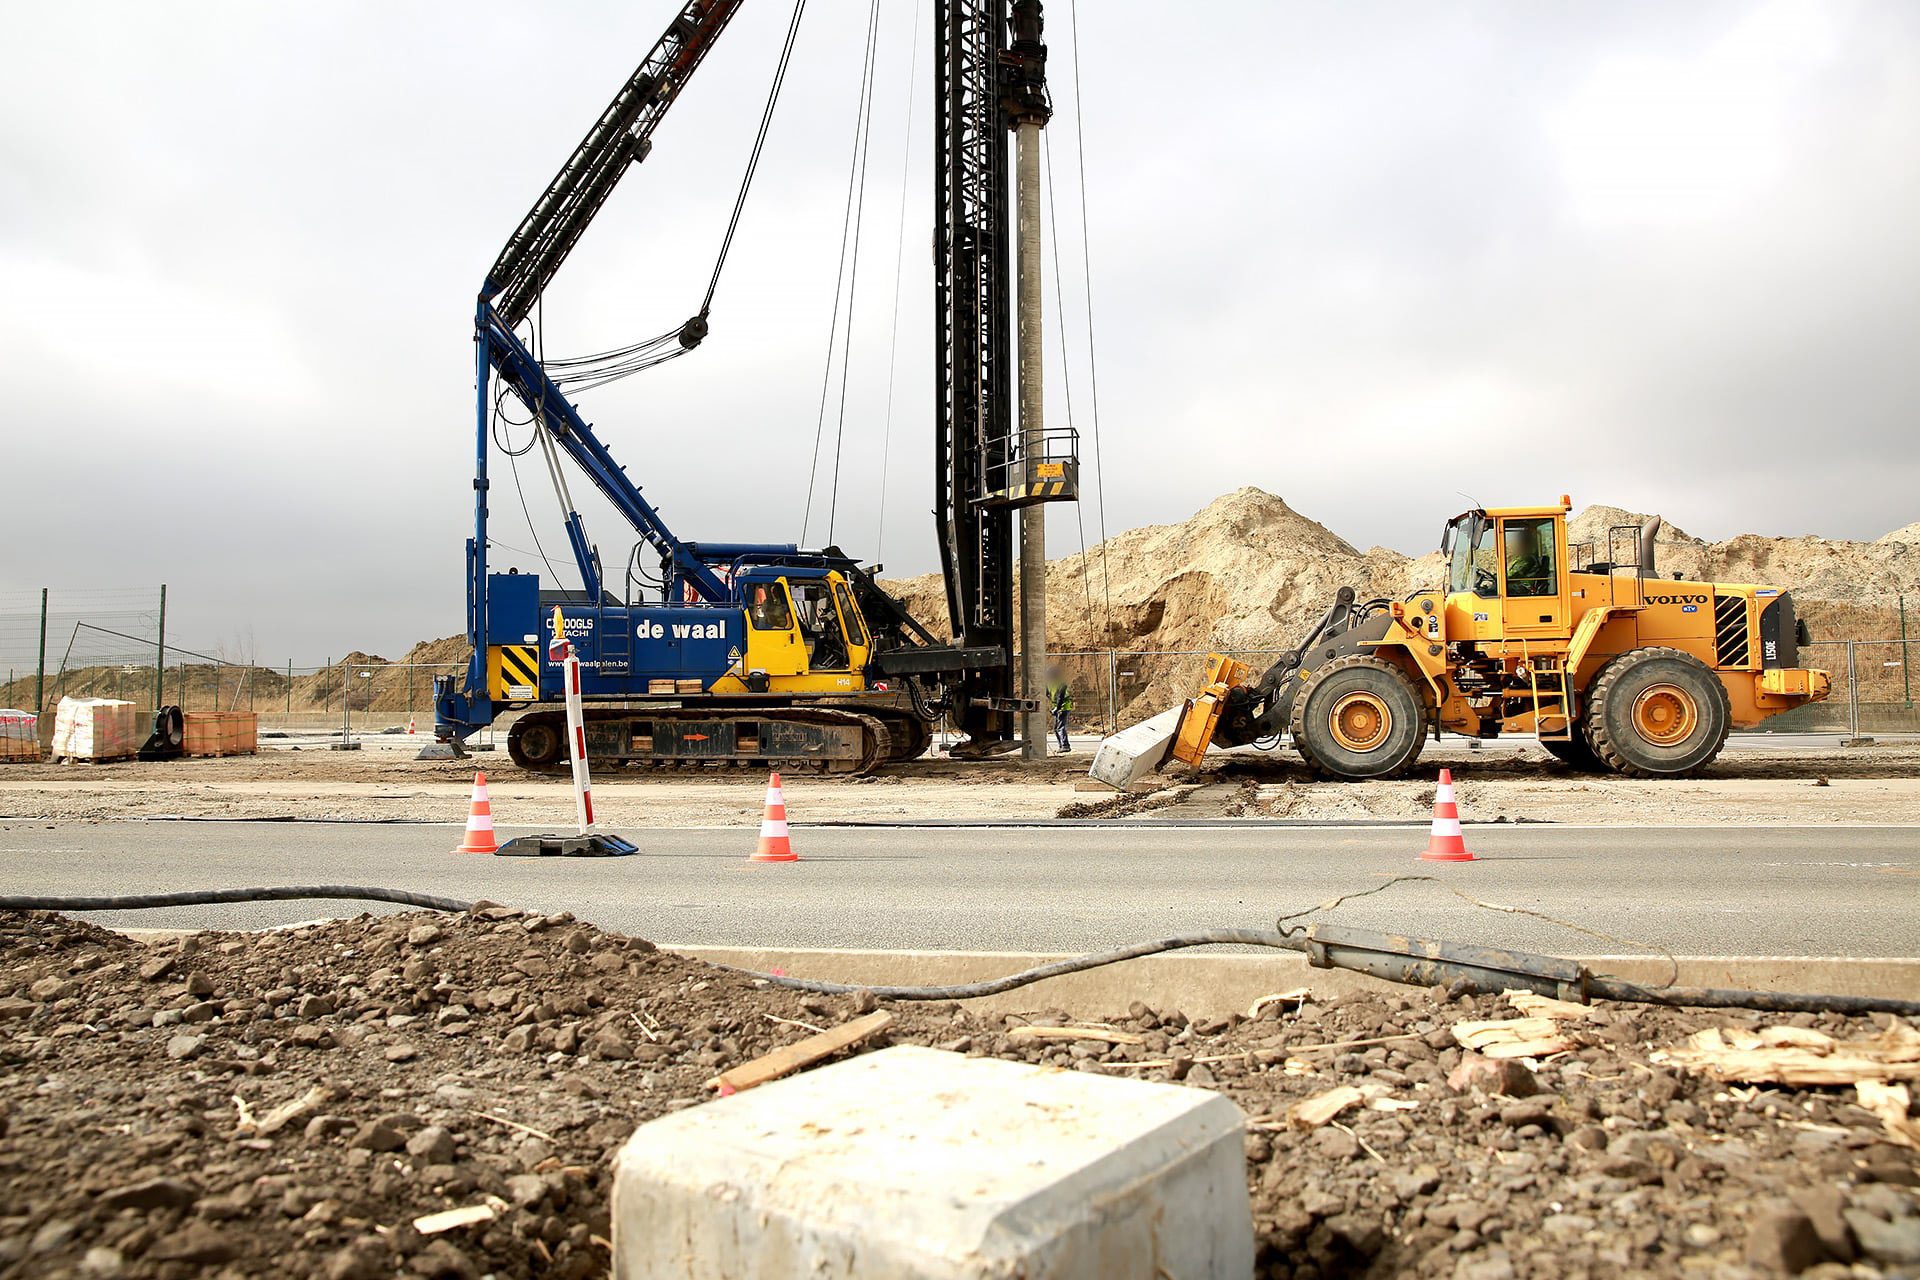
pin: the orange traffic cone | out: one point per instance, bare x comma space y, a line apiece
774, 844
479, 820
409, 724
1446, 844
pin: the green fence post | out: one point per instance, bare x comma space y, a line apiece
160, 662
1906, 667
40, 671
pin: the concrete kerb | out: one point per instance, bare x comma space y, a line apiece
1216, 984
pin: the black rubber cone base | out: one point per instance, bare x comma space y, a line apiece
594, 846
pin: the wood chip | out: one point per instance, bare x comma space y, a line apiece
1798, 1057
1534, 1005
467, 1215
1512, 1037
1108, 1034
1800, 1037
801, 1053
1295, 996
1311, 1113
1890, 1103
293, 1110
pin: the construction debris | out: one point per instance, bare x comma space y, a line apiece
1322, 1107
793, 1057
1892, 1103
1106, 1035
1512, 1037
507, 1056
1799, 1055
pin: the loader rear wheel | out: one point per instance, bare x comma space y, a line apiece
1359, 717
1657, 713
1575, 752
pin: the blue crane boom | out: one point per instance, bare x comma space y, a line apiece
756, 652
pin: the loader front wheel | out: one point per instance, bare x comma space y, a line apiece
1359, 717
1657, 713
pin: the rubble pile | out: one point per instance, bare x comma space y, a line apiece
441, 1096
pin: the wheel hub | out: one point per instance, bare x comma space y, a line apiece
1361, 721
1665, 714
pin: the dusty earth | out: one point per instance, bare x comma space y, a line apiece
291, 1103
1879, 783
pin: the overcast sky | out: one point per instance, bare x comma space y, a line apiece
1368, 256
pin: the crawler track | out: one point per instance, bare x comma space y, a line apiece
754, 738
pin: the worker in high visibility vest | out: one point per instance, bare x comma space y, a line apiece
1059, 704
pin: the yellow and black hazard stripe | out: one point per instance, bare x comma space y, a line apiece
513, 673
1038, 489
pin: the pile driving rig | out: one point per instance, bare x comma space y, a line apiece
756, 654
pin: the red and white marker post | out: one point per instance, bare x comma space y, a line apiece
588, 843
561, 651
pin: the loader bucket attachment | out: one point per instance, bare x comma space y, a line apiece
1195, 734
1182, 733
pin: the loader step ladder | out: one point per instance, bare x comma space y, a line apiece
1552, 701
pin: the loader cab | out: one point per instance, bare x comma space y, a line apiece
1507, 574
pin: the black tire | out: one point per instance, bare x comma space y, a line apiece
1636, 693
537, 741
1359, 717
1575, 752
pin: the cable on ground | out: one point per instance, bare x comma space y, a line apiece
1602, 988
203, 897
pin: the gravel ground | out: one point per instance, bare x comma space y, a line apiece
1872, 784
289, 1103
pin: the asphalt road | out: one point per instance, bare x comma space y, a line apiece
1837, 890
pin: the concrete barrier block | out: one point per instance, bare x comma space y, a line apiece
1136, 751
916, 1162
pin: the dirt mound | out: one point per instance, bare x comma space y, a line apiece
1248, 572
292, 1103
1909, 535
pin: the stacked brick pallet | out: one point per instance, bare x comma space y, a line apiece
19, 736
221, 733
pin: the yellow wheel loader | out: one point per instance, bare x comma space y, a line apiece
1609, 665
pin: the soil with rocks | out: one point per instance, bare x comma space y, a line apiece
290, 1103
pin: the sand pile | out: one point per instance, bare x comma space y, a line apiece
1248, 572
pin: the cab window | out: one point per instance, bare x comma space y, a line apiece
1484, 560
1459, 549
850, 616
820, 624
1526, 550
767, 607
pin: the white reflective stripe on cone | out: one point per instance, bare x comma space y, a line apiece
1446, 826
774, 827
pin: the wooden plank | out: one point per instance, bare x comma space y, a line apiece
1107, 1034
801, 1053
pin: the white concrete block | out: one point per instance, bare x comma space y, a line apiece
913, 1162
1137, 750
